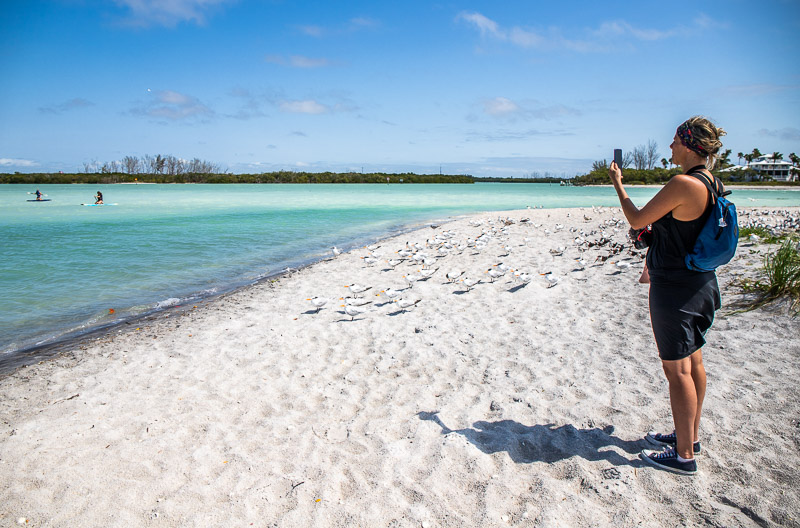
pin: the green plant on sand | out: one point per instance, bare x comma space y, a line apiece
781, 277
762, 233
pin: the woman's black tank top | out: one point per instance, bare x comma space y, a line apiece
672, 239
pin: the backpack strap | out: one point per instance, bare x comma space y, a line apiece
715, 190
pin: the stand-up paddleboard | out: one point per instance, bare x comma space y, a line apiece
96, 205
42, 200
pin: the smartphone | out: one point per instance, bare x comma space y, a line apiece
618, 157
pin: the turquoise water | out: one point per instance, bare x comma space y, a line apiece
65, 265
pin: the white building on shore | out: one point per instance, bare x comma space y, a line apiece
766, 168
778, 170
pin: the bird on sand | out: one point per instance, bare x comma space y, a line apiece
551, 279
453, 275
391, 294
357, 288
405, 304
470, 283
411, 278
428, 273
318, 302
355, 301
336, 251
353, 311
495, 273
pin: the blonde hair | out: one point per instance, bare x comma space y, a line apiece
706, 134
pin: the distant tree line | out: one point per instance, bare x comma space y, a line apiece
266, 177
158, 164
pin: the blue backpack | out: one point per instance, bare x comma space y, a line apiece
716, 243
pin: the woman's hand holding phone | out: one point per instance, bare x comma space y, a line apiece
615, 169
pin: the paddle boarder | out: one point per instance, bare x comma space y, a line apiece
98, 199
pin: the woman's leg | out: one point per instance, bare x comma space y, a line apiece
683, 398
699, 377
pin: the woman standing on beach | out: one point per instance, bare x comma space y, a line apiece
682, 301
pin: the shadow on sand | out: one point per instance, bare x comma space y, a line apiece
543, 443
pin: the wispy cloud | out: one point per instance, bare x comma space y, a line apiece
501, 107
298, 61
351, 26
553, 38
308, 106
173, 106
312, 31
506, 109
14, 162
786, 134
168, 13
66, 106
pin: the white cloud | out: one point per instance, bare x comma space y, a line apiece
504, 108
553, 38
312, 31
168, 12
485, 25
298, 61
363, 22
13, 162
500, 106
351, 26
304, 107
174, 106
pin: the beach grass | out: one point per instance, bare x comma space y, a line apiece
763, 234
781, 276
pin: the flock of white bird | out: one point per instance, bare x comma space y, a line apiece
419, 261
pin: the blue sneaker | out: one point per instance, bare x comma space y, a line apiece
668, 459
669, 440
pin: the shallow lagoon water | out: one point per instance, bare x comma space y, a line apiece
65, 265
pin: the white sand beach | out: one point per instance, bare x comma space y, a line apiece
510, 404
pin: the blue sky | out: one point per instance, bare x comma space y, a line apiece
484, 88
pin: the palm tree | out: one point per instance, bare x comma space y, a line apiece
776, 156
756, 154
740, 155
793, 157
724, 159
664, 162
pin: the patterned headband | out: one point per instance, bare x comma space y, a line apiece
688, 140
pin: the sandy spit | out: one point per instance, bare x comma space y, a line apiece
522, 401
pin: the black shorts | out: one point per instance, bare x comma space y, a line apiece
682, 306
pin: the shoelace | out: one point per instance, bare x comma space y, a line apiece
668, 437
666, 454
